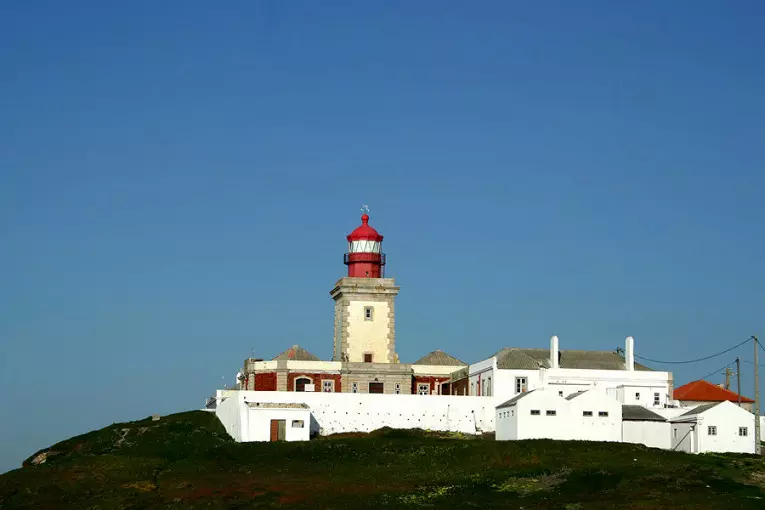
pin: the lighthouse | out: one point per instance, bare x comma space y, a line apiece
365, 326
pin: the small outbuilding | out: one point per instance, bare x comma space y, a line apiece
643, 426
717, 427
271, 421
537, 414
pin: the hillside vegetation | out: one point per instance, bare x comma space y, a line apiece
187, 460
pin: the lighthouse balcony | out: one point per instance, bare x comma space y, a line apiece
350, 258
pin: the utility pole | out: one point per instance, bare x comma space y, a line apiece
728, 373
757, 448
738, 380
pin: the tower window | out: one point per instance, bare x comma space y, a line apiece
368, 357
369, 313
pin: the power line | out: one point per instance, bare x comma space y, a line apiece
696, 360
716, 371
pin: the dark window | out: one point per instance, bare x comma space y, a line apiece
367, 358
376, 387
586, 413
551, 413
300, 383
711, 430
743, 431
535, 412
602, 414
297, 424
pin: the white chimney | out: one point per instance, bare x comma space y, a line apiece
554, 353
629, 354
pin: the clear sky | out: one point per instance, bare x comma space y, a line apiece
177, 178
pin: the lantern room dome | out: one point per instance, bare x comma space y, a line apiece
364, 232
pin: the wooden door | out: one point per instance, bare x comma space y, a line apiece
278, 430
376, 387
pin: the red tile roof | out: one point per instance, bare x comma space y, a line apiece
707, 392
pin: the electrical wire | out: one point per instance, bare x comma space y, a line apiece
695, 360
715, 372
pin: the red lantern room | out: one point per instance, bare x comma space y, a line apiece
365, 258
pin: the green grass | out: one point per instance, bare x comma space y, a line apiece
188, 461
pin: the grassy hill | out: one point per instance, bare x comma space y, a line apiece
187, 460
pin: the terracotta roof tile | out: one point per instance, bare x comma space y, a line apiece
704, 391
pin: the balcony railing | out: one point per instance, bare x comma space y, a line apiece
364, 257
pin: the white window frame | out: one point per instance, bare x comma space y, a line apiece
298, 424
397, 389
745, 431
711, 430
423, 389
331, 386
369, 313
521, 385
354, 387
656, 399
488, 387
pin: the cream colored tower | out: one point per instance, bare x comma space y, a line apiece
365, 323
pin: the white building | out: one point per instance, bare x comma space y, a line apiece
265, 421
513, 371
544, 414
717, 427
646, 427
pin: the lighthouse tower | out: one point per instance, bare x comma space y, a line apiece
364, 312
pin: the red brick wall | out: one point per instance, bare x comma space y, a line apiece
432, 381
265, 381
316, 378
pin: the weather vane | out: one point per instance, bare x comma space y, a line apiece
365, 209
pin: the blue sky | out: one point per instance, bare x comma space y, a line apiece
177, 178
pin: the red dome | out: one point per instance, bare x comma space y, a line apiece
365, 232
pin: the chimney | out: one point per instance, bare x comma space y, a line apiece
554, 352
629, 354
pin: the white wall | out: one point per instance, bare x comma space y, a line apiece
368, 336
258, 423
229, 412
361, 412
517, 422
655, 434
595, 427
643, 395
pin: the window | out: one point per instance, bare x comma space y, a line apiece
711, 430
656, 399
743, 431
355, 387
560, 393
586, 413
551, 413
301, 382
637, 396
368, 357
472, 386
520, 385
674, 434
376, 387
512, 412
535, 412
423, 389
603, 414
398, 389
297, 424
328, 386
488, 387
369, 313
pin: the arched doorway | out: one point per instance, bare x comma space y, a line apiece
300, 383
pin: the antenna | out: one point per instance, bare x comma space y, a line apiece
365, 209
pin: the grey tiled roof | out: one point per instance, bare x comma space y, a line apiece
534, 359
515, 399
574, 395
639, 413
439, 357
700, 409
296, 353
